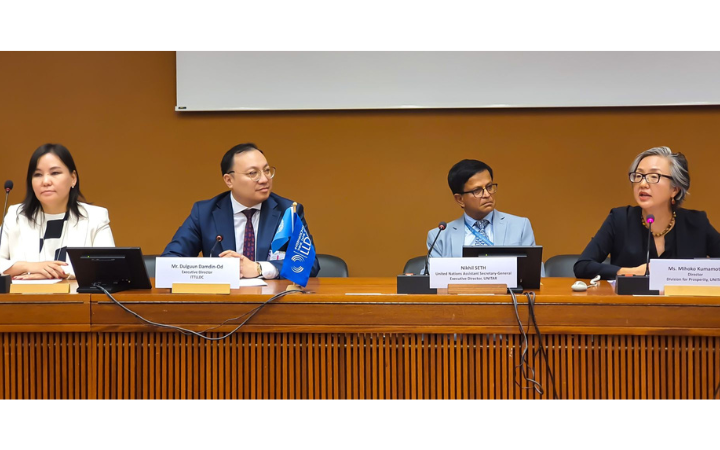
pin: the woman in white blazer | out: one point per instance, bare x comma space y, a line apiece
38, 231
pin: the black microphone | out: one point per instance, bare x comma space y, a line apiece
8, 188
650, 219
5, 279
218, 239
441, 226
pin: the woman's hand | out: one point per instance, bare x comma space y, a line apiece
43, 270
639, 270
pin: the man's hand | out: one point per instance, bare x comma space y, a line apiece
248, 267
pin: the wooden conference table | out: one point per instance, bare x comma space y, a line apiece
356, 338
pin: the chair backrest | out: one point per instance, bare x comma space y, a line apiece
561, 266
331, 266
150, 264
414, 265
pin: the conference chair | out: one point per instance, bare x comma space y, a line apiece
150, 264
562, 266
332, 266
414, 265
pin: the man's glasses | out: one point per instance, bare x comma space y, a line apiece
255, 175
479, 192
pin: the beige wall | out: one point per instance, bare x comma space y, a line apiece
372, 182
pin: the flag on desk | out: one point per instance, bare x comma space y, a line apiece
284, 231
300, 255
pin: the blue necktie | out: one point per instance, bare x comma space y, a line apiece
480, 225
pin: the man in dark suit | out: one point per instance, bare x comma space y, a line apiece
246, 218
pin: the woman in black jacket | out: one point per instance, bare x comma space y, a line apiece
660, 181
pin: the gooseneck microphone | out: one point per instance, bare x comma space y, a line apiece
441, 226
218, 239
5, 279
650, 219
8, 188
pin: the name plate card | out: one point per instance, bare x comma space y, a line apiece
489, 270
197, 271
684, 272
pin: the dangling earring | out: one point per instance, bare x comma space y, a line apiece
673, 201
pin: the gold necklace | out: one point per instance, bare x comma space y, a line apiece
665, 231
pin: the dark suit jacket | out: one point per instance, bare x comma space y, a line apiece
210, 218
624, 238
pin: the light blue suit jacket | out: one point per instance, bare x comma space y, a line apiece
507, 230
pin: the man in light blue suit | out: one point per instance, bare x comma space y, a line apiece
473, 188
239, 223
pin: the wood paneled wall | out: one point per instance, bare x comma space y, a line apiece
372, 182
353, 366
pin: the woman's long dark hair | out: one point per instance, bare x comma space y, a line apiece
31, 205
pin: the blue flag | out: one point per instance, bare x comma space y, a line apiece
300, 255
285, 229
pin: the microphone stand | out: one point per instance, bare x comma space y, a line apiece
410, 283
638, 284
5, 280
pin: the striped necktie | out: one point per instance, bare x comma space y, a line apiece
480, 225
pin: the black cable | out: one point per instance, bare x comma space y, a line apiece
185, 331
531, 317
524, 367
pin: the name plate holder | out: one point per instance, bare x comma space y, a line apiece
477, 289
198, 275
692, 291
194, 288
62, 287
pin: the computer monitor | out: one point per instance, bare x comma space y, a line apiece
114, 268
529, 261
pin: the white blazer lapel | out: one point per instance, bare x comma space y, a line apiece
76, 234
29, 241
499, 228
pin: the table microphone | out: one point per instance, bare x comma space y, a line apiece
5, 279
650, 219
441, 226
218, 239
8, 188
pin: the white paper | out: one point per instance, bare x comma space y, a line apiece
485, 270
45, 281
684, 272
248, 282
197, 271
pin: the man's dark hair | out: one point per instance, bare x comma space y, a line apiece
461, 172
227, 160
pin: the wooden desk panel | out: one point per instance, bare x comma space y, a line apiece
331, 345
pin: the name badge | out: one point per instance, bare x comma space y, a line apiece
684, 272
197, 271
487, 270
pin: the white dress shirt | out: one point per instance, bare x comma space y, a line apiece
470, 237
239, 218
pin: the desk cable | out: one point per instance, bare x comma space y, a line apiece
525, 370
200, 334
